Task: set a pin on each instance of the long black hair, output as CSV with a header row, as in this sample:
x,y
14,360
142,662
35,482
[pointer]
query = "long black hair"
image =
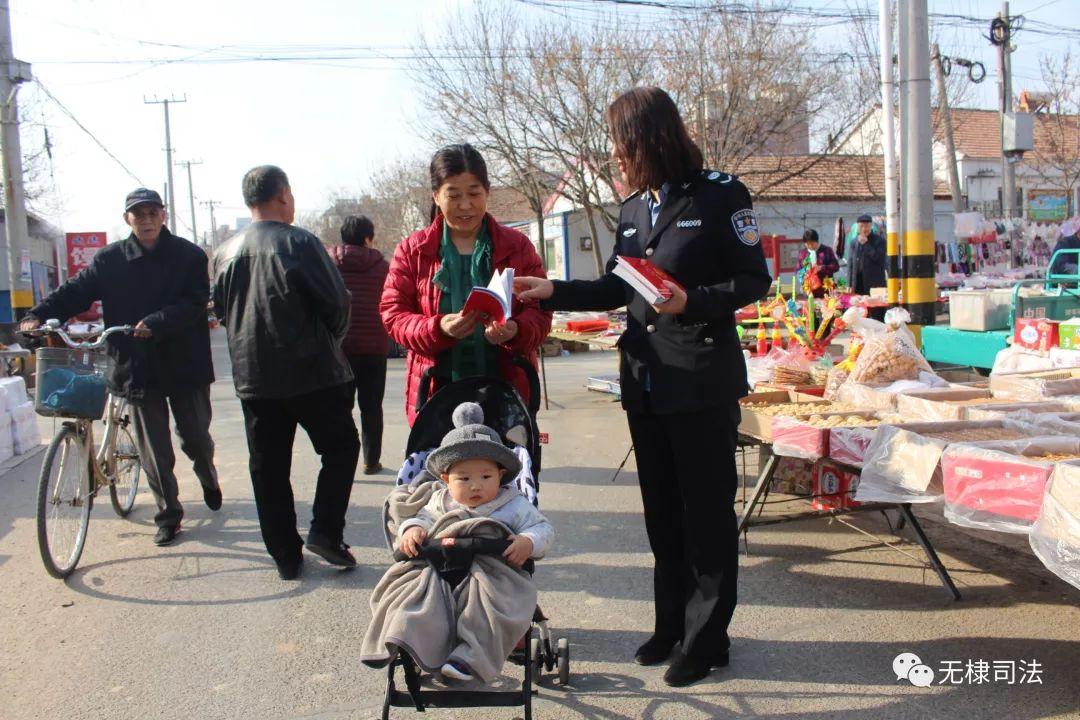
x,y
454,160
650,138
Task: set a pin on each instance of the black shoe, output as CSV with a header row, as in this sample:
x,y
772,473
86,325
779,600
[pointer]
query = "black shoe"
x,y
166,534
373,469
212,498
291,571
335,553
655,651
689,670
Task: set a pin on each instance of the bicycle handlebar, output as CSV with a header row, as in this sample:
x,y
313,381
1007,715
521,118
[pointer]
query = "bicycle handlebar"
x,y
52,327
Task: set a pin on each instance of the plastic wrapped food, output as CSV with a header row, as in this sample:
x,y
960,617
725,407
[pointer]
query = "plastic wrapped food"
x,y
1055,535
887,358
1000,485
902,464
835,380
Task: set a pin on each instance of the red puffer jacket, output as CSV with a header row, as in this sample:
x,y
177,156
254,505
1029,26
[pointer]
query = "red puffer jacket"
x,y
410,304
364,271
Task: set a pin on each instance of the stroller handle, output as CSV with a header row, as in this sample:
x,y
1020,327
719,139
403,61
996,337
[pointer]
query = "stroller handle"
x,y
463,549
424,391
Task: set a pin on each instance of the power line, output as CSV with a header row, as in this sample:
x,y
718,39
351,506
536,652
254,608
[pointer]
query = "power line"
x,y
86,130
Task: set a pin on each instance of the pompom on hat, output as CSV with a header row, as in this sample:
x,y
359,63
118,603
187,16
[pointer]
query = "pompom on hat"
x,y
471,439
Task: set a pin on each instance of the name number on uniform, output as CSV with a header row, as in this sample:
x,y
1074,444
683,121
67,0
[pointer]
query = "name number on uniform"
x,y
688,223
745,224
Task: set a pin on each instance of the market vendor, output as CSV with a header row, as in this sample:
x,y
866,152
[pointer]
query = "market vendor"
x,y
681,368
825,262
1066,264
866,258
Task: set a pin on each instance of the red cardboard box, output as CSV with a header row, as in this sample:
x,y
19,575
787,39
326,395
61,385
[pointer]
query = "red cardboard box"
x,y
833,488
1036,334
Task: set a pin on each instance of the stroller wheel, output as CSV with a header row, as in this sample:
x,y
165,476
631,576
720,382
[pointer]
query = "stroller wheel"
x,y
563,661
535,660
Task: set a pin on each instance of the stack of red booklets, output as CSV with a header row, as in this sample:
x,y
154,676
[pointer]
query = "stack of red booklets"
x,y
645,278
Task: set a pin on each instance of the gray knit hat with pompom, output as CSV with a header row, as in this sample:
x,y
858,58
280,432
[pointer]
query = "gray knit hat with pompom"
x,y
471,439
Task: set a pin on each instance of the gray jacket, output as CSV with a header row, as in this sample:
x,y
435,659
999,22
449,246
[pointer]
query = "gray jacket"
x,y
509,507
286,310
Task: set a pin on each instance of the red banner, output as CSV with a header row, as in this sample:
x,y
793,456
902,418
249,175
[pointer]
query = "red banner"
x,y
81,248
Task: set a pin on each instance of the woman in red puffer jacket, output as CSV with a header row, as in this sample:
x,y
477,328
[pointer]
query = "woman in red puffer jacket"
x,y
363,268
434,269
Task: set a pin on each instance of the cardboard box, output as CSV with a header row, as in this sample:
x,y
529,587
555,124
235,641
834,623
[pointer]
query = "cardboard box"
x,y
1036,334
939,404
834,488
1036,385
792,437
1069,335
758,425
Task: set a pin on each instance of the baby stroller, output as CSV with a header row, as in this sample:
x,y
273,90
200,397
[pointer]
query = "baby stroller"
x,y
507,413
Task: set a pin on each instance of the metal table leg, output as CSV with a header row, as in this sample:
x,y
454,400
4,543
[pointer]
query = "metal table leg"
x,y
935,561
764,480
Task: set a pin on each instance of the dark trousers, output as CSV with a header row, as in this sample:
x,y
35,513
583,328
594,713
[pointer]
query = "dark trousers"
x,y
370,374
326,416
687,473
191,411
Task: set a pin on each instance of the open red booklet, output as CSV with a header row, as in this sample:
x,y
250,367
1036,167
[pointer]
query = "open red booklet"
x,y
496,301
645,278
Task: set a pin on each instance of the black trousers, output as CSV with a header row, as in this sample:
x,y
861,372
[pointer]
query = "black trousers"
x,y
326,416
688,477
370,374
191,411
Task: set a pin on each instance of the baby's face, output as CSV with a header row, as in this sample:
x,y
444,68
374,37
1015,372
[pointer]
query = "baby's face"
x,y
474,482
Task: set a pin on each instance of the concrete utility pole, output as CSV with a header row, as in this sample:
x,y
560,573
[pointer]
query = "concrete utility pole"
x,y
213,223
12,74
920,287
946,121
888,150
168,156
903,79
191,196
1008,170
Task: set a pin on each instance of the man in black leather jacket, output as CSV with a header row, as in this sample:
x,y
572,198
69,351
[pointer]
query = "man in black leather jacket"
x,y
158,283
286,311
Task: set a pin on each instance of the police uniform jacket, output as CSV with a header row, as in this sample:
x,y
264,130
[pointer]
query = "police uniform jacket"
x,y
706,237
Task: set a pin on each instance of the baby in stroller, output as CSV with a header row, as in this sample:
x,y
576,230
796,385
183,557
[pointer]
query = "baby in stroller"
x,y
463,615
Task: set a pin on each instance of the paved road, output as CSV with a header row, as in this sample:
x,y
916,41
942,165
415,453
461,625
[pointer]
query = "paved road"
x,y
204,629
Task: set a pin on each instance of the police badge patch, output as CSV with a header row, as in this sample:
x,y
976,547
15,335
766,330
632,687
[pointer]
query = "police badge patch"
x,y
745,224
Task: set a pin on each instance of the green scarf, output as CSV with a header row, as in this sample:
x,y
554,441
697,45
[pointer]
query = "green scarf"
x,y
473,356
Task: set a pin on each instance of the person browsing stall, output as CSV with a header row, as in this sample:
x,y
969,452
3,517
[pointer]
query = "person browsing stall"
x,y
681,368
825,262
434,270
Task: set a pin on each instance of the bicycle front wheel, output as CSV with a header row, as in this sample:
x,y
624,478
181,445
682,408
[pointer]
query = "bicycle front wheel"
x,y
64,502
126,471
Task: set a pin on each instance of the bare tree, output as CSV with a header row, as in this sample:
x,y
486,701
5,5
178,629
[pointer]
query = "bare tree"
x,y
1056,159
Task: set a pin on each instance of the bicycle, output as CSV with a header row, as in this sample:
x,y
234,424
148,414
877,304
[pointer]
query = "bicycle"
x,y
70,384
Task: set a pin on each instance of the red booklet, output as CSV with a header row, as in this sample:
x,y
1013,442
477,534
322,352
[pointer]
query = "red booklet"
x,y
645,278
495,302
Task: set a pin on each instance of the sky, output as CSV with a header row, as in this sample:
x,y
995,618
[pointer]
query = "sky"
x,y
328,122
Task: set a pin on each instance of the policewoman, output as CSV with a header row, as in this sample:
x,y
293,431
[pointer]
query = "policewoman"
x,y
681,368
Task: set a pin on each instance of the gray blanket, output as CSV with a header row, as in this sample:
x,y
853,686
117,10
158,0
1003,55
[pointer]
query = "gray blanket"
x,y
413,609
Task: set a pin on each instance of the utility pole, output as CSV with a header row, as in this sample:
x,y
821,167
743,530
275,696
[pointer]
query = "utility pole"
x,y
920,291
903,77
946,121
191,195
12,73
213,223
168,156
1001,35
888,150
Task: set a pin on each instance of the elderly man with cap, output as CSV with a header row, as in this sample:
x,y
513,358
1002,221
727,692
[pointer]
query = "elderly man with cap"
x,y
160,284
866,258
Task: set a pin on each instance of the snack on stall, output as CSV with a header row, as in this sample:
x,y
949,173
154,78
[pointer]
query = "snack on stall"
x,y
1000,485
1005,408
808,437
939,404
1055,535
902,464
1037,385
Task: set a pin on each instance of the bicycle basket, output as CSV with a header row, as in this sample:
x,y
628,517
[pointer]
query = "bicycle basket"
x,y
71,383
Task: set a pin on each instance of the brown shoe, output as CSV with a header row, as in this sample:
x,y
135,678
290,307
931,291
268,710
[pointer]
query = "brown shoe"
x,y
372,469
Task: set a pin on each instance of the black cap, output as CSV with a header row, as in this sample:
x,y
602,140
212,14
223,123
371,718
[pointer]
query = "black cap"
x,y
141,196
865,218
